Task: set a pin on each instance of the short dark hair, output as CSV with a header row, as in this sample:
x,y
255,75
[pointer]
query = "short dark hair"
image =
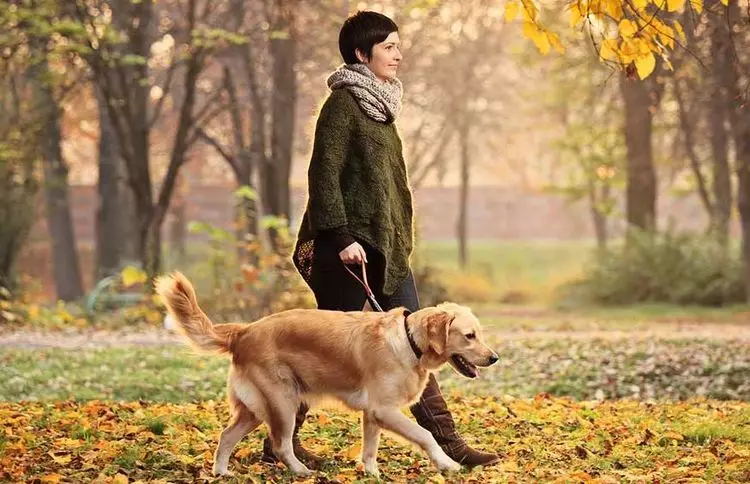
x,y
362,31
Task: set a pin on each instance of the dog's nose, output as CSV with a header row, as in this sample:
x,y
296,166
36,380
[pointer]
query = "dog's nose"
x,y
493,359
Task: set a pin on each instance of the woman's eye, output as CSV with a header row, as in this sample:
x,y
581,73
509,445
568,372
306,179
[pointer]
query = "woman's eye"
x,y
471,336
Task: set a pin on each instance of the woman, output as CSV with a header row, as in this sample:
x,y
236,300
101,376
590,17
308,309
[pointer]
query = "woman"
x,y
360,207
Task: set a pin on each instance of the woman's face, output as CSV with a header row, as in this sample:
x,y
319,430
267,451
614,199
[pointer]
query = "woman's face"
x,y
386,57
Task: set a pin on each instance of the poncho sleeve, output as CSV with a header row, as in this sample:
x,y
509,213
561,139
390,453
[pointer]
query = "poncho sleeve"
x,y
333,130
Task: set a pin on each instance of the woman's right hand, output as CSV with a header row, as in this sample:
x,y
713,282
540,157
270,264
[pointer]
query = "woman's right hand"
x,y
353,254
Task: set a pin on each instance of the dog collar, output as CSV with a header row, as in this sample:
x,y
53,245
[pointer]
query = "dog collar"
x,y
412,343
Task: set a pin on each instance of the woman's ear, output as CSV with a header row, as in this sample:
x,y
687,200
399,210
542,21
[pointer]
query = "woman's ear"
x,y
361,56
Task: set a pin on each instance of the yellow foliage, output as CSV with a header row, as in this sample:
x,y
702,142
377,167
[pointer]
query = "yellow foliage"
x,y
511,11
645,65
680,31
633,19
534,434
575,14
132,275
613,8
627,28
675,5
609,50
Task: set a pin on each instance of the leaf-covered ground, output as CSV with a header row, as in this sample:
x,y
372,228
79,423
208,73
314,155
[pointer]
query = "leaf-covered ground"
x,y
540,439
583,368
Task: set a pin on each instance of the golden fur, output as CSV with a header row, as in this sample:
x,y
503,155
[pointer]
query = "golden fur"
x,y
363,359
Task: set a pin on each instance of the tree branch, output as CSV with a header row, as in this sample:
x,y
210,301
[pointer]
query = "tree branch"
x,y
201,133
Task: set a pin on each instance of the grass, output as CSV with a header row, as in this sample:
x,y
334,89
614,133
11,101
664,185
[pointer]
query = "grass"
x,y
582,368
540,440
532,268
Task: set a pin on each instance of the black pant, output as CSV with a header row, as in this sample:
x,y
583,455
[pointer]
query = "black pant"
x,y
336,289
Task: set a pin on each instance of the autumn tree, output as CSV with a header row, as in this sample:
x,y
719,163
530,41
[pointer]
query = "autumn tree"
x,y
137,78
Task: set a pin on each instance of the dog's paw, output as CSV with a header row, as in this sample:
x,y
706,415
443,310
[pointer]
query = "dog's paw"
x,y
223,472
448,465
371,468
302,471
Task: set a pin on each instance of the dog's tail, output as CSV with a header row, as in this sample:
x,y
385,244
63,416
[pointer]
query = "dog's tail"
x,y
188,318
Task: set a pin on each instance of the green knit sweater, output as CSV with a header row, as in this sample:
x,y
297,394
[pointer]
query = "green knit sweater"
x,y
358,183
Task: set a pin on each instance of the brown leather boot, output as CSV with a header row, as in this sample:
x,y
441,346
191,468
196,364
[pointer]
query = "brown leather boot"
x,y
308,458
432,413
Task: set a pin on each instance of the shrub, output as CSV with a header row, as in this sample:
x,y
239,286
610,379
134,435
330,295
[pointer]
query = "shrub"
x,y
243,281
665,267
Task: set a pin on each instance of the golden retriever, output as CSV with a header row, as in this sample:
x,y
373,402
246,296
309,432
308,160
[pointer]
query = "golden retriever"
x,y
370,361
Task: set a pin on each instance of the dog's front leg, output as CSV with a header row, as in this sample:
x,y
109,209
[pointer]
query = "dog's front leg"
x,y
395,421
370,440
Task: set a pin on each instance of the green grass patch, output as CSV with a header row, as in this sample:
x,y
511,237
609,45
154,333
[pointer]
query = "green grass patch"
x,y
582,368
525,269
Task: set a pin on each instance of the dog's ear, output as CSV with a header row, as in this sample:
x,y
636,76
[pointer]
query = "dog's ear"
x,y
438,326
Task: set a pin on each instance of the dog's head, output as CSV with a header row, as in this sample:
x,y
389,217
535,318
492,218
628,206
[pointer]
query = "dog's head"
x,y
453,335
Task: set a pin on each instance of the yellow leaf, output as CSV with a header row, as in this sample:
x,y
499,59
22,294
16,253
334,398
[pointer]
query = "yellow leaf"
x,y
511,11
542,43
540,39
354,451
120,479
645,65
725,2
613,8
33,311
529,11
52,478
628,28
132,275
674,435
243,452
575,14
644,46
698,5
675,5
680,31
666,35
530,30
554,40
60,459
640,5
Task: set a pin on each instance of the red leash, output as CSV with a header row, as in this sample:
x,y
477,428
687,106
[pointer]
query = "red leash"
x,y
366,286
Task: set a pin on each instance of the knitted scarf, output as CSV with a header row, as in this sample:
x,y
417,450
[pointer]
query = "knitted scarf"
x,y
380,100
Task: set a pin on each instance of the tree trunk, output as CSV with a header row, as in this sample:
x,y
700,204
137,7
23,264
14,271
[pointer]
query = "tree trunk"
x,y
110,234
66,270
597,217
717,108
463,203
739,119
276,175
247,210
177,230
641,175
128,218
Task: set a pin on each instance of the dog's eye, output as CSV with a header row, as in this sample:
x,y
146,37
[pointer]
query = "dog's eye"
x,y
471,336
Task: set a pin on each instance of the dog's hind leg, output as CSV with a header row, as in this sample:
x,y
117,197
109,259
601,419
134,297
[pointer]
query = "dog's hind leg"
x,y
281,413
243,422
395,421
370,439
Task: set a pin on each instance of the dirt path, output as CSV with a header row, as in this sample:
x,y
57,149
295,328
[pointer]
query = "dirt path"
x,y
86,339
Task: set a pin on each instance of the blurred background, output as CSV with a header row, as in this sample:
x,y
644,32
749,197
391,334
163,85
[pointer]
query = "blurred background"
x,y
141,137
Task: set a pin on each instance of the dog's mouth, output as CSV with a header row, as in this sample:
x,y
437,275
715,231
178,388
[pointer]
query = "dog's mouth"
x,y
464,366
